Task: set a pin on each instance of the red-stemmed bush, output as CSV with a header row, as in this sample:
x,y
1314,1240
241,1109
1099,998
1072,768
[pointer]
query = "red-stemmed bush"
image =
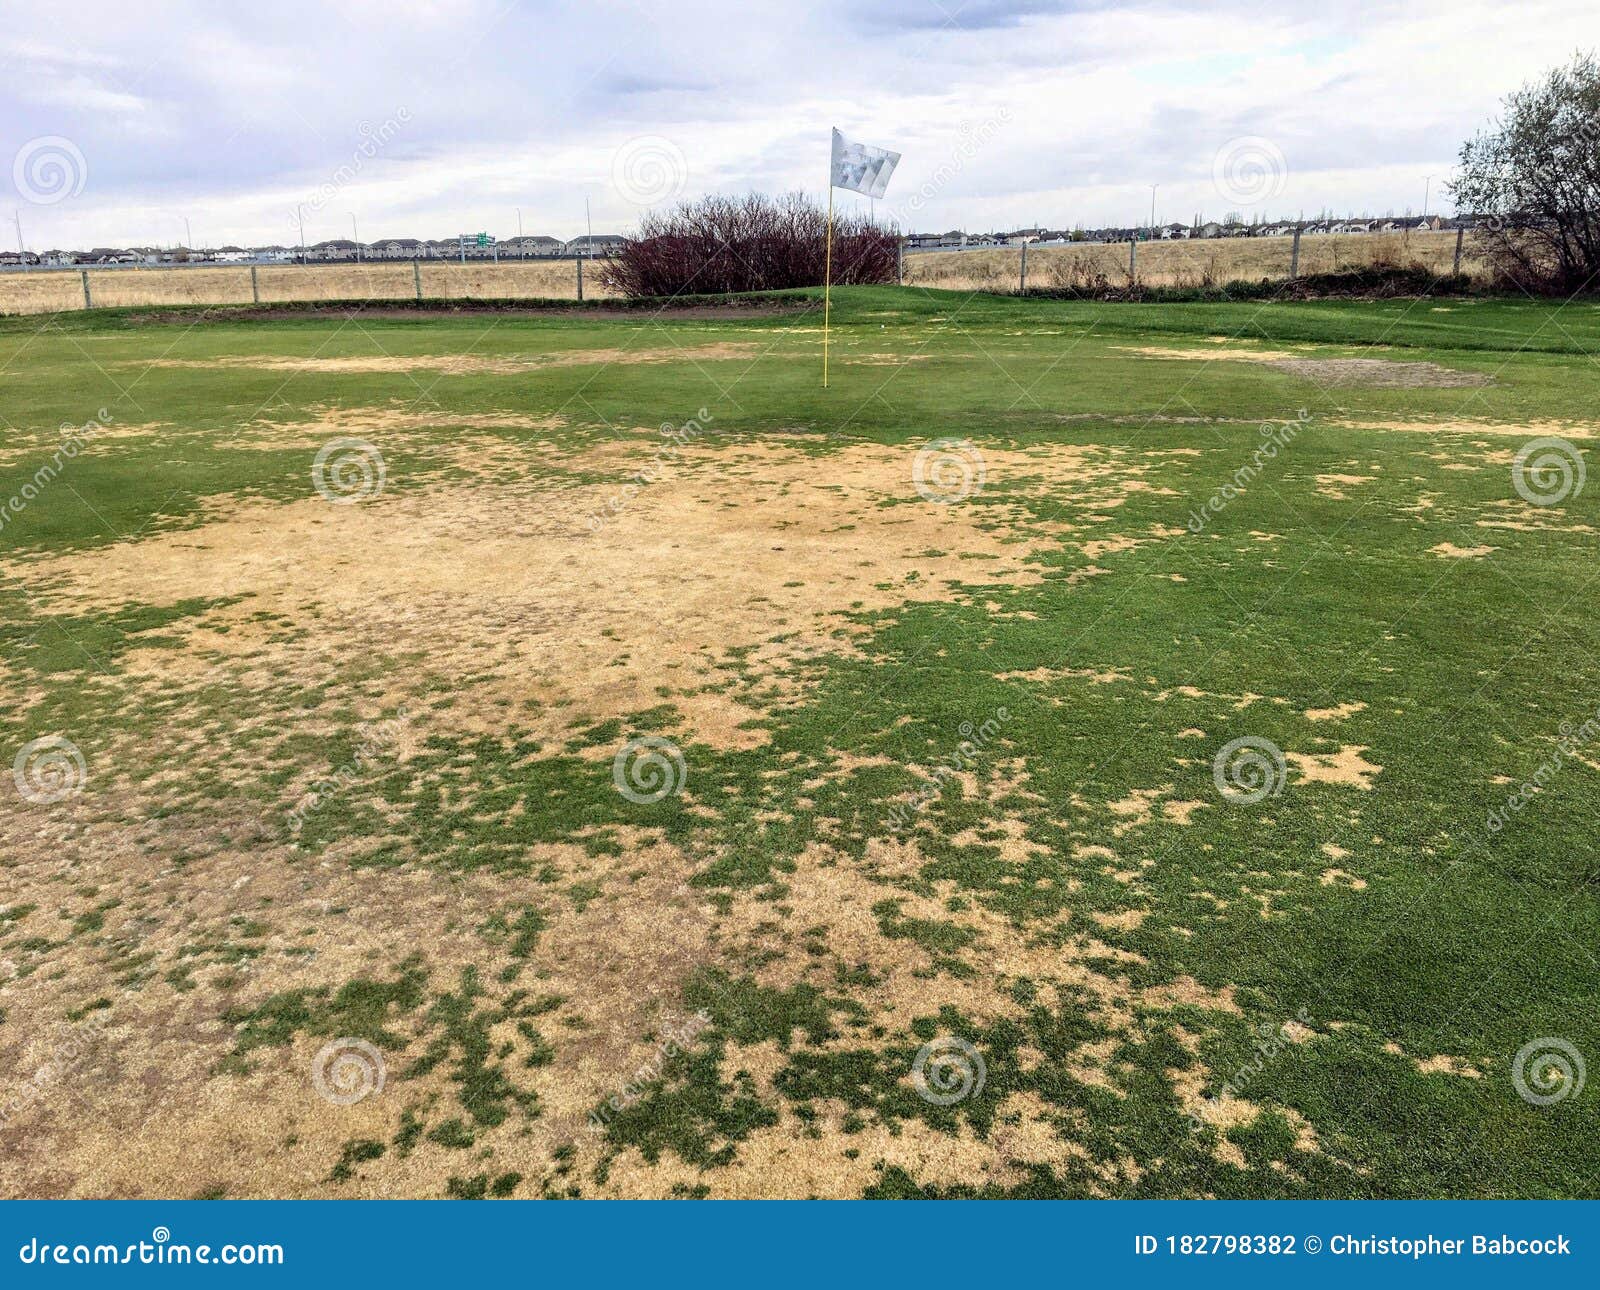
x,y
716,245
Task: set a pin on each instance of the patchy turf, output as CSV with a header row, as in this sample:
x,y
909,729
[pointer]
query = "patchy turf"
x,y
1087,751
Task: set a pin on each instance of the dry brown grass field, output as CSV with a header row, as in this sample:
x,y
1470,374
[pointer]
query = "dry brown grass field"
x,y
1175,264
51,291
1159,264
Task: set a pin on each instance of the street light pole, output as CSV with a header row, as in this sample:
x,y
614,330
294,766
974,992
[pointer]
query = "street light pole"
x,y
356,234
1153,188
1427,192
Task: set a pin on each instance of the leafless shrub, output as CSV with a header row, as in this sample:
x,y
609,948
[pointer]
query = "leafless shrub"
x,y
717,244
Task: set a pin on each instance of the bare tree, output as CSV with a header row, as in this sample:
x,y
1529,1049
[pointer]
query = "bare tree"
x,y
1533,181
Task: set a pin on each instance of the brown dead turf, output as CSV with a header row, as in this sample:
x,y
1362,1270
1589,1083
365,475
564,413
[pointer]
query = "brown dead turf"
x,y
459,364
543,603
1380,373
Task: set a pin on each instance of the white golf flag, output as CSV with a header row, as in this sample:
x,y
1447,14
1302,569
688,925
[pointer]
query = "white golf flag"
x,y
860,167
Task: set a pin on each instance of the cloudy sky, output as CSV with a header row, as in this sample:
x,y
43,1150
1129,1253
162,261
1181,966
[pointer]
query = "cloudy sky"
x,y
118,121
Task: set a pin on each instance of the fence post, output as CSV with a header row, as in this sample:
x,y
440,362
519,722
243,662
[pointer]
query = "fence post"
x,y
900,262
255,287
580,277
1294,256
1461,233
416,277
88,303
1133,258
1022,280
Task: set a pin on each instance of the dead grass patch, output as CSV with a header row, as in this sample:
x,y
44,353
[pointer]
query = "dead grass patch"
x,y
462,364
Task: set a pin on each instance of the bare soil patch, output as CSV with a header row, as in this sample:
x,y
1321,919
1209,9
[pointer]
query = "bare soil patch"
x,y
459,364
1381,373
542,590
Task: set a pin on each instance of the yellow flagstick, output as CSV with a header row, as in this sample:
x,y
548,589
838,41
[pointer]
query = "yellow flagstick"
x,y
827,279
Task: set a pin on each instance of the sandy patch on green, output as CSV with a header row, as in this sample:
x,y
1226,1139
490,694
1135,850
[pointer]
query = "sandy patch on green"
x,y
541,590
466,363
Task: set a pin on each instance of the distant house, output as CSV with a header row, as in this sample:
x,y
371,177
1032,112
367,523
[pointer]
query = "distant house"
x,y
599,244
395,248
532,245
338,248
1173,232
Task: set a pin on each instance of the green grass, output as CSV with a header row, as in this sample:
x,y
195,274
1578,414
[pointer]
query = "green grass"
x,y
1459,940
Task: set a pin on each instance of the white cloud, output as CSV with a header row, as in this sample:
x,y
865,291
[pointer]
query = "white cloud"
x,y
232,116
